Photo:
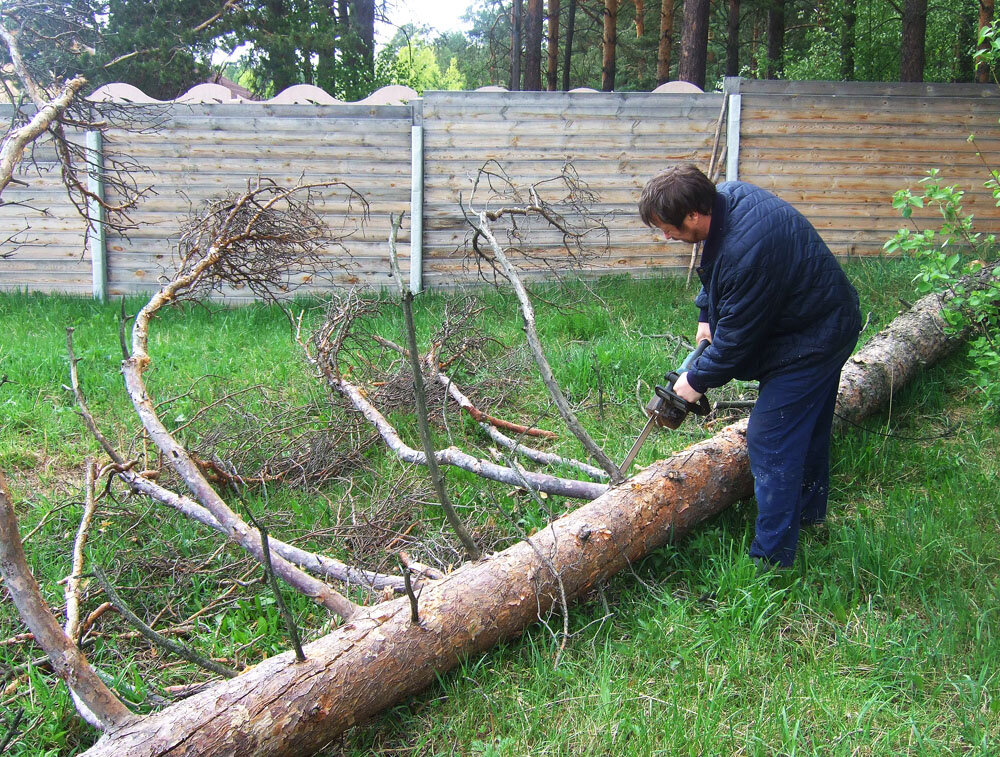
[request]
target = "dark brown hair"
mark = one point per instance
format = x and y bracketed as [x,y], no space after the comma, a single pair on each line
[671,195]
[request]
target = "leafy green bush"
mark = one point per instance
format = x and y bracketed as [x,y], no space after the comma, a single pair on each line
[956,250]
[946,256]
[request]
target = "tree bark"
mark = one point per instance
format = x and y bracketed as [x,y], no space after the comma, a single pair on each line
[568,52]
[666,41]
[515,46]
[694,43]
[775,38]
[733,39]
[911,53]
[848,40]
[986,8]
[609,45]
[552,49]
[533,47]
[280,707]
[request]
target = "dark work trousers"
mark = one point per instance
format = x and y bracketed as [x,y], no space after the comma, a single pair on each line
[788,439]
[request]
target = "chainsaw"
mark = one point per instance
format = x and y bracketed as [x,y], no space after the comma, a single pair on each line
[667,408]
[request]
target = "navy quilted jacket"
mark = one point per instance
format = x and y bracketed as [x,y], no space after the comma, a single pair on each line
[772,291]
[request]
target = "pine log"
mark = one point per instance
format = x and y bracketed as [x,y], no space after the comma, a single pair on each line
[380,657]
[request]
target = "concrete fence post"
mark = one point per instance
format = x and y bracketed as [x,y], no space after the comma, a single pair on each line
[732,91]
[96,240]
[417,198]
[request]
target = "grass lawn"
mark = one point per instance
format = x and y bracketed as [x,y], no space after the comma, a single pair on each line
[882,640]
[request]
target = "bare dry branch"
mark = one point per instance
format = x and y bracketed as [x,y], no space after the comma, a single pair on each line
[316,564]
[254,240]
[437,479]
[481,224]
[66,658]
[535,455]
[452,456]
[15,143]
[158,639]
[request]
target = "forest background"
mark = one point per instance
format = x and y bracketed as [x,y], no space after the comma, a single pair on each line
[167,46]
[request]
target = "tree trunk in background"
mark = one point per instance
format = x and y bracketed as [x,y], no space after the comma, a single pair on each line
[551,70]
[515,47]
[986,8]
[609,43]
[326,55]
[733,39]
[666,41]
[280,57]
[380,657]
[911,52]
[775,39]
[848,39]
[533,47]
[694,43]
[568,52]
[358,47]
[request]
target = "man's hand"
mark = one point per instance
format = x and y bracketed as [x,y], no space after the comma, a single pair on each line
[704,332]
[683,389]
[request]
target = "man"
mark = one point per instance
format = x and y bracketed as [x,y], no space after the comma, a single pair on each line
[776,307]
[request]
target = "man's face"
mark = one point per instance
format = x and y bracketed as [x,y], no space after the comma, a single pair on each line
[694,228]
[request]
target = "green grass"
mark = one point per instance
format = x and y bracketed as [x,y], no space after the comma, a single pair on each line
[883,640]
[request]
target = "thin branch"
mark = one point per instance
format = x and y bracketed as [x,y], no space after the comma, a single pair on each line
[420,397]
[535,455]
[158,639]
[67,660]
[11,730]
[72,581]
[293,630]
[482,226]
[414,609]
[255,239]
[451,456]
[466,404]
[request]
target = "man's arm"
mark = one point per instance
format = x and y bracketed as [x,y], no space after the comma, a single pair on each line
[704,332]
[747,309]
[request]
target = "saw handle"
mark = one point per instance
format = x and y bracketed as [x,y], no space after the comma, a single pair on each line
[702,346]
[667,394]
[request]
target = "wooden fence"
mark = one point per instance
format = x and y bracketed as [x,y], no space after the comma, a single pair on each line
[837,151]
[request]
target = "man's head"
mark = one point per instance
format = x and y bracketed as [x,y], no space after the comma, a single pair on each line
[679,203]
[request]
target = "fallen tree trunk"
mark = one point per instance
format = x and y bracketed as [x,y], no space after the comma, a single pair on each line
[380,656]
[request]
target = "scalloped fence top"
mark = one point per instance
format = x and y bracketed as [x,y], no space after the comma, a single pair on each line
[305,94]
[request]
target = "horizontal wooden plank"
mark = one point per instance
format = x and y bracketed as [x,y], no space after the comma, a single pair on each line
[292,141]
[560,100]
[161,111]
[503,118]
[638,158]
[833,129]
[319,123]
[868,89]
[890,109]
[461,132]
[757,159]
